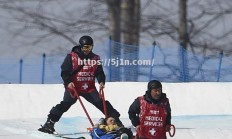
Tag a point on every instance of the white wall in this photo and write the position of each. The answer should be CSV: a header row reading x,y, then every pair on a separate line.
x,y
35,100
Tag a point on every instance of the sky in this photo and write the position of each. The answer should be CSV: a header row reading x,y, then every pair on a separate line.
x,y
199,110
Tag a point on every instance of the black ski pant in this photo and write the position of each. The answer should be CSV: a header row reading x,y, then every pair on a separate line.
x,y
94,98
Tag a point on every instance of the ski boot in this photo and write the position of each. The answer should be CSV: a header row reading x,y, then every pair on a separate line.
x,y
48,127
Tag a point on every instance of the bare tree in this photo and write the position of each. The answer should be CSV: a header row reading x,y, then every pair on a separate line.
x,y
183,27
203,26
114,14
41,23
206,28
130,33
52,21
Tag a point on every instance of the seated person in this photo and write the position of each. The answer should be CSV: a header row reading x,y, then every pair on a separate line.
x,y
108,129
108,125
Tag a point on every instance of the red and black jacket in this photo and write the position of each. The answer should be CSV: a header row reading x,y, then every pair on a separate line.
x,y
139,114
67,70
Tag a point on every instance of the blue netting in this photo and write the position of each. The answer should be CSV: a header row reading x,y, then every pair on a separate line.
x,y
127,63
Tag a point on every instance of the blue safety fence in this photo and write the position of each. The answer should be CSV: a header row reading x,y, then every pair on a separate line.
x,y
126,63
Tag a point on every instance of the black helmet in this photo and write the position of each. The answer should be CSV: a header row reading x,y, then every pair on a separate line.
x,y
154,84
86,40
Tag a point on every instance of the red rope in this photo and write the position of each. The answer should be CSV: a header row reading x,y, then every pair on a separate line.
x,y
103,101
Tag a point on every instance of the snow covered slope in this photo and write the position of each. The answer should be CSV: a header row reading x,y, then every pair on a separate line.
x,y
200,110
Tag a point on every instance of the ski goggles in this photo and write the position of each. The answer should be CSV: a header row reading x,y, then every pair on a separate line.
x,y
87,47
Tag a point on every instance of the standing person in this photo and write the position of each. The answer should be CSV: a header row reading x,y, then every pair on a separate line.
x,y
151,113
78,71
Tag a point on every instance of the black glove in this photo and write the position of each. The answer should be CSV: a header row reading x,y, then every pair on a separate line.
x,y
125,130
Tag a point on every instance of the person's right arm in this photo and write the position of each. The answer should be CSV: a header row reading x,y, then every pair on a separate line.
x,y
66,70
134,111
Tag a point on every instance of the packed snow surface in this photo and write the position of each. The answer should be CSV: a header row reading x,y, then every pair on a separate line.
x,y
199,110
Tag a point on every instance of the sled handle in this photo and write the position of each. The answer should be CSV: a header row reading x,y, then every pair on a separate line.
x,y
103,101
78,97
171,134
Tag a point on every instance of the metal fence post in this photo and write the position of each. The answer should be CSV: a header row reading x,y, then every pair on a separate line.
x,y
220,65
43,68
20,70
110,56
183,62
152,59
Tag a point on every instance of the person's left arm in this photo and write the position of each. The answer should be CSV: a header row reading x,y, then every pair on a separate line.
x,y
100,75
169,115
